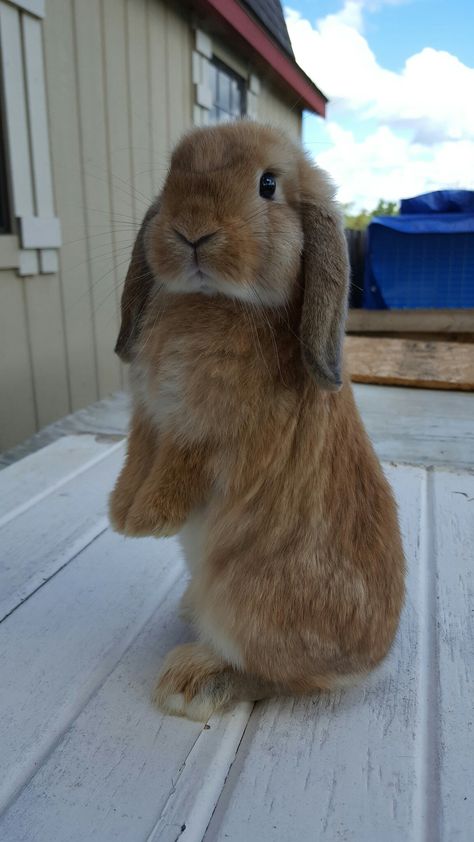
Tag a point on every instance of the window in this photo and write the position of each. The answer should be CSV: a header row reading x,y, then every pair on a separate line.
x,y
28,224
221,92
228,93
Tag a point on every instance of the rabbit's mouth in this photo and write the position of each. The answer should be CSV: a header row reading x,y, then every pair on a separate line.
x,y
201,282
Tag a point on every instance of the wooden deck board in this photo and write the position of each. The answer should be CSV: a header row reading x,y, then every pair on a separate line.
x,y
85,756
452,661
47,535
36,475
58,647
411,321
409,362
119,772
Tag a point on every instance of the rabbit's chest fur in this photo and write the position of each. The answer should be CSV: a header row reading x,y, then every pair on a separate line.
x,y
211,371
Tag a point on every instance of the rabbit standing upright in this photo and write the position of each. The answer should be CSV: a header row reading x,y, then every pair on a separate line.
x,y
245,435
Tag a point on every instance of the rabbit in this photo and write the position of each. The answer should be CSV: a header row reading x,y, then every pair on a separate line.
x,y
245,437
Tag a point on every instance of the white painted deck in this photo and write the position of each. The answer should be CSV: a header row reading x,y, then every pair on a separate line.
x,y
86,618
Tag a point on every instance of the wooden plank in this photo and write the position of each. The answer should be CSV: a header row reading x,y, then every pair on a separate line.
x,y
58,649
48,349
91,92
45,537
32,478
180,89
451,554
9,248
71,203
17,403
39,135
187,91
158,93
411,321
344,765
429,365
276,109
419,426
137,45
123,771
117,106
191,803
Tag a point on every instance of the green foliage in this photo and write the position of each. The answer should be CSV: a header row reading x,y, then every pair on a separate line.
x,y
359,221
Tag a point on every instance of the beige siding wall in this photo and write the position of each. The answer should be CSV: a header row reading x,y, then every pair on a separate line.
x,y
120,93
118,76
278,110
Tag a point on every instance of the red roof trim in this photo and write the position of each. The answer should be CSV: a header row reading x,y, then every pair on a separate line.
x,y
236,17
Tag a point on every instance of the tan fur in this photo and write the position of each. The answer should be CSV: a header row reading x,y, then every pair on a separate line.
x,y
301,578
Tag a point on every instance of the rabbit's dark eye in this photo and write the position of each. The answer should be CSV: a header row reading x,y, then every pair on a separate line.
x,y
267,185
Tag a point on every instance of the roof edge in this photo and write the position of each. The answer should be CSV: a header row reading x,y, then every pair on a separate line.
x,y
235,16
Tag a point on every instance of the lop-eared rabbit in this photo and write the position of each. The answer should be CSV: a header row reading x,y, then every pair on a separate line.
x,y
245,437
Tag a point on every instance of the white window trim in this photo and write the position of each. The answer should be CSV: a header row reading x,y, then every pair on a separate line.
x,y
27,140
34,7
202,56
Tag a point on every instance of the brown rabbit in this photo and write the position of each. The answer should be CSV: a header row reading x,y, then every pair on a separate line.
x,y
245,435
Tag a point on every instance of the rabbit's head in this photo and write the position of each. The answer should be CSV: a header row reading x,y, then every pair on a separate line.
x,y
243,214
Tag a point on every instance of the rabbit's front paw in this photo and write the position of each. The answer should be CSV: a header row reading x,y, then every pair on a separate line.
x,y
156,515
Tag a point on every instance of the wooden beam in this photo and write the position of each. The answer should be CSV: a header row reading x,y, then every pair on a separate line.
x,y
410,321
405,362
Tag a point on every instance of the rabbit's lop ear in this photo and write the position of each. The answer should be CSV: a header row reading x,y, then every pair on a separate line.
x,y
326,284
136,291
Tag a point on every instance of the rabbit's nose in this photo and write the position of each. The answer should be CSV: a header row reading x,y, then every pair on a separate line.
x,y
194,243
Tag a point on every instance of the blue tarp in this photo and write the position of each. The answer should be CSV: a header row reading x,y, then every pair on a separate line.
x,y
428,223
440,201
425,257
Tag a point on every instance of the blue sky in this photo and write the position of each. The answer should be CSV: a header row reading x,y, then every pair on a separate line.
x,y
400,77
396,31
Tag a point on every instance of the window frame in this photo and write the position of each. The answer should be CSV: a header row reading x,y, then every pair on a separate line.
x,y
223,69
32,244
204,54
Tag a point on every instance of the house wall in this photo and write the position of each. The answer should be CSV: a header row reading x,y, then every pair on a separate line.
x,y
120,92
278,110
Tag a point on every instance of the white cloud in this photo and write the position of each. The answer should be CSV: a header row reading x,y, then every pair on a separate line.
x,y
433,94
387,166
431,97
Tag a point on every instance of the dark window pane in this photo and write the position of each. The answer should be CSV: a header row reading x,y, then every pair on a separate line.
x,y
213,81
228,92
223,91
5,221
236,99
